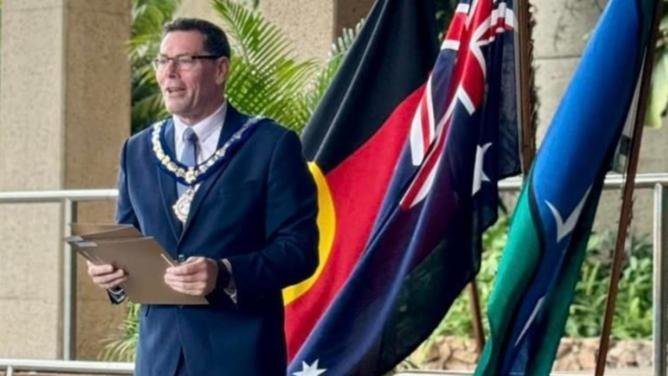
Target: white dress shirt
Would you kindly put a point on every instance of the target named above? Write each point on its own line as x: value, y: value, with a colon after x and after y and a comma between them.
x: 207, y: 131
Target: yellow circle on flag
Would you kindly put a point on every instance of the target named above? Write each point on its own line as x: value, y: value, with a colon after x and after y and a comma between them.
x: 326, y: 227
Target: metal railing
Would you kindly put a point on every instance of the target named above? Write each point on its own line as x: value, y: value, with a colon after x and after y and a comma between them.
x: 70, y: 198
x: 65, y: 366
x: 659, y: 183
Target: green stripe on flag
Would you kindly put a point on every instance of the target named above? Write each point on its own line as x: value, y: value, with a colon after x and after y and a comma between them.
x: 516, y: 268
x: 564, y: 292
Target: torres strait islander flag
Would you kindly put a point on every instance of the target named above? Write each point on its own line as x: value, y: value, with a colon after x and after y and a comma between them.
x: 547, y: 239
x: 401, y: 159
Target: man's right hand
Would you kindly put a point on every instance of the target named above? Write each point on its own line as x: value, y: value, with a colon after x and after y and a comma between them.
x: 106, y: 276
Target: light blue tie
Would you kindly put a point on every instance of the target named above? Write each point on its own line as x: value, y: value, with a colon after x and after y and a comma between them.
x: 188, y: 155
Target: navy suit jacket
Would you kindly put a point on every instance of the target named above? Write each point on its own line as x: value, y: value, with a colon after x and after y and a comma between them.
x: 258, y: 211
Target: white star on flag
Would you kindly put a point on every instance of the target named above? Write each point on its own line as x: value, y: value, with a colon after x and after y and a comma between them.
x: 534, y: 313
x: 566, y: 227
x: 310, y: 370
x: 478, y: 173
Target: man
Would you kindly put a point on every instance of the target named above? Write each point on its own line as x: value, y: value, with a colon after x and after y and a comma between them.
x: 242, y: 222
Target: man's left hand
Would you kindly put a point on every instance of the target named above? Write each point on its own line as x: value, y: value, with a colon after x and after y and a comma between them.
x: 196, y: 276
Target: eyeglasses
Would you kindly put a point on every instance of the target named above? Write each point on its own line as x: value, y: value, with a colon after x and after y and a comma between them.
x: 181, y: 62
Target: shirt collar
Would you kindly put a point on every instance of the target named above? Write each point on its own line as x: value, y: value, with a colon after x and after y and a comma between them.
x: 205, y: 127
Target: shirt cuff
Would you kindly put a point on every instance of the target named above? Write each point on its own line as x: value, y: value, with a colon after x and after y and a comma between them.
x: 230, y: 287
x: 116, y: 295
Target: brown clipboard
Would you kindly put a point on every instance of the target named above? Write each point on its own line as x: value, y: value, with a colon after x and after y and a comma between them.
x: 142, y: 258
x: 92, y: 231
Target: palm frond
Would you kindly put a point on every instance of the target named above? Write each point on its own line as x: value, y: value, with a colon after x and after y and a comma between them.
x: 265, y: 79
x: 338, y: 51
x: 123, y: 348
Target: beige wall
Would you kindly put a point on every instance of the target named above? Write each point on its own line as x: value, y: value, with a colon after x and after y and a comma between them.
x: 310, y: 25
x: 64, y: 100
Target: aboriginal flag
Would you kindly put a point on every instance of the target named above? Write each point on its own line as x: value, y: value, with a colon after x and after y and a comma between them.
x: 402, y: 159
x: 354, y: 140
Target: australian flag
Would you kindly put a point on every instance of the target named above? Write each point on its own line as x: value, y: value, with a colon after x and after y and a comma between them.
x: 423, y: 247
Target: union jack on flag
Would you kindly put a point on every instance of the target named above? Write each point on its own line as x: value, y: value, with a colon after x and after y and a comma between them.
x: 458, y: 137
x: 459, y: 78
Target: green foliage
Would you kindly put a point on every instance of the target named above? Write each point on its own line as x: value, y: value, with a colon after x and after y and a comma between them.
x: 123, y: 349
x: 659, y: 92
x: 633, y: 314
x: 266, y: 79
x: 148, y: 16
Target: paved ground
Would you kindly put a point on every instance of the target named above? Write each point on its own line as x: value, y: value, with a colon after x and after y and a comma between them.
x: 610, y: 372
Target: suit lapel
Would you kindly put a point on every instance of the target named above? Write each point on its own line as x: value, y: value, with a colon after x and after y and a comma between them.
x: 233, y: 122
x: 168, y: 185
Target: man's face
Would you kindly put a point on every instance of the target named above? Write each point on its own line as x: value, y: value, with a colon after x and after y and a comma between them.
x: 191, y: 92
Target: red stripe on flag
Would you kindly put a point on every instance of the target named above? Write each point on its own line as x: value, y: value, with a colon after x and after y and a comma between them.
x: 356, y: 206
x: 425, y: 170
x: 426, y: 126
x: 457, y: 26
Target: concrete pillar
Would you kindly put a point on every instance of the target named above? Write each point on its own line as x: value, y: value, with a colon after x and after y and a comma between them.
x: 64, y: 111
x: 560, y: 36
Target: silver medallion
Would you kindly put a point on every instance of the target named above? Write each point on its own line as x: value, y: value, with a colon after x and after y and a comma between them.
x: 181, y: 207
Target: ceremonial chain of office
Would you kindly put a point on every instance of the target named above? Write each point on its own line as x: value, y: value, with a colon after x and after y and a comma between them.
x: 191, y: 175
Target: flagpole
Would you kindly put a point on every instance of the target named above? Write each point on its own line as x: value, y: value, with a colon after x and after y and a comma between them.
x: 478, y: 332
x: 627, y: 201
x: 526, y: 85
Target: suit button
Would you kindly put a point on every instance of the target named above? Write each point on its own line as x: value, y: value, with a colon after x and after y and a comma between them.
x: 180, y: 257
